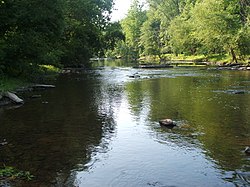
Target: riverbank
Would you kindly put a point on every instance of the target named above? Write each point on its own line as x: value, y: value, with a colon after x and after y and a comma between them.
x: 11, y: 98
x: 10, y: 87
x: 212, y: 60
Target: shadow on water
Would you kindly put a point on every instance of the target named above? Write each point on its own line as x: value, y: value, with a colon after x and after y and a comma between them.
x: 59, y: 132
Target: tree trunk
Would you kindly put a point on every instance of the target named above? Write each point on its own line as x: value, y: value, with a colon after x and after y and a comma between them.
x: 160, y: 57
x: 233, y: 55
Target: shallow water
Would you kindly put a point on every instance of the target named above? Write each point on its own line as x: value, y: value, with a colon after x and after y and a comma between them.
x: 100, y: 128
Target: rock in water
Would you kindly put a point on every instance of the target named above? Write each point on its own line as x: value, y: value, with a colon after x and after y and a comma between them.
x: 43, y: 86
x: 14, y: 98
x: 35, y: 96
x: 247, y: 150
x: 167, y: 123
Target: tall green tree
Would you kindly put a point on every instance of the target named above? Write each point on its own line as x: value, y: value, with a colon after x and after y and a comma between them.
x: 112, y: 35
x: 35, y: 32
x: 182, y: 32
x: 85, y: 21
x: 165, y: 11
x: 150, y: 35
x: 29, y: 34
x: 131, y: 26
x: 220, y: 23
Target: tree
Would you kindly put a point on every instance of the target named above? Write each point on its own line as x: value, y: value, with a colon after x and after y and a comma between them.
x: 85, y: 21
x: 29, y: 34
x: 182, y: 32
x: 165, y: 11
x: 131, y: 26
x: 150, y: 36
x: 36, y: 32
x: 112, y: 35
x: 219, y: 23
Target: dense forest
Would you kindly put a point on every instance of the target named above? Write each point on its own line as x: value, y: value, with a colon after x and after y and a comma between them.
x: 187, y: 27
x: 45, y: 32
x: 67, y: 33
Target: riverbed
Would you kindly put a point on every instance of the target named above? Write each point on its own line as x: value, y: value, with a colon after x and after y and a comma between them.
x: 100, y: 127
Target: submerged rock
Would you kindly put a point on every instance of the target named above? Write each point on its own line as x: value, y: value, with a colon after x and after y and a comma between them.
x: 167, y: 123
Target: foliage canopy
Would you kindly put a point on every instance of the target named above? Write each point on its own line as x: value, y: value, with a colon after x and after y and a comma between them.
x: 58, y: 32
x: 191, y: 27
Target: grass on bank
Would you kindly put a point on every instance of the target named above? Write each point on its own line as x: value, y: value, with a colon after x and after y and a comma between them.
x: 10, y: 84
x: 45, y: 73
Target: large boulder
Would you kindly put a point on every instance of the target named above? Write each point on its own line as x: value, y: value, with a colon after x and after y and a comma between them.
x: 167, y: 123
x: 13, y: 97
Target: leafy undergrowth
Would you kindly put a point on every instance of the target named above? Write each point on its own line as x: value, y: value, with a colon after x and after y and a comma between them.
x: 11, y: 173
x: 45, y: 73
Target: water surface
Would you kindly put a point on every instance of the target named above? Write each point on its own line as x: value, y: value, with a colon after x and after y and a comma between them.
x: 100, y: 128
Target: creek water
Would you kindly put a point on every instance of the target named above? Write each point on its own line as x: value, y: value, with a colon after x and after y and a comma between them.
x: 100, y: 128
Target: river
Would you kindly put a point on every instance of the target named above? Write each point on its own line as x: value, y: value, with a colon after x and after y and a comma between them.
x: 100, y: 128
